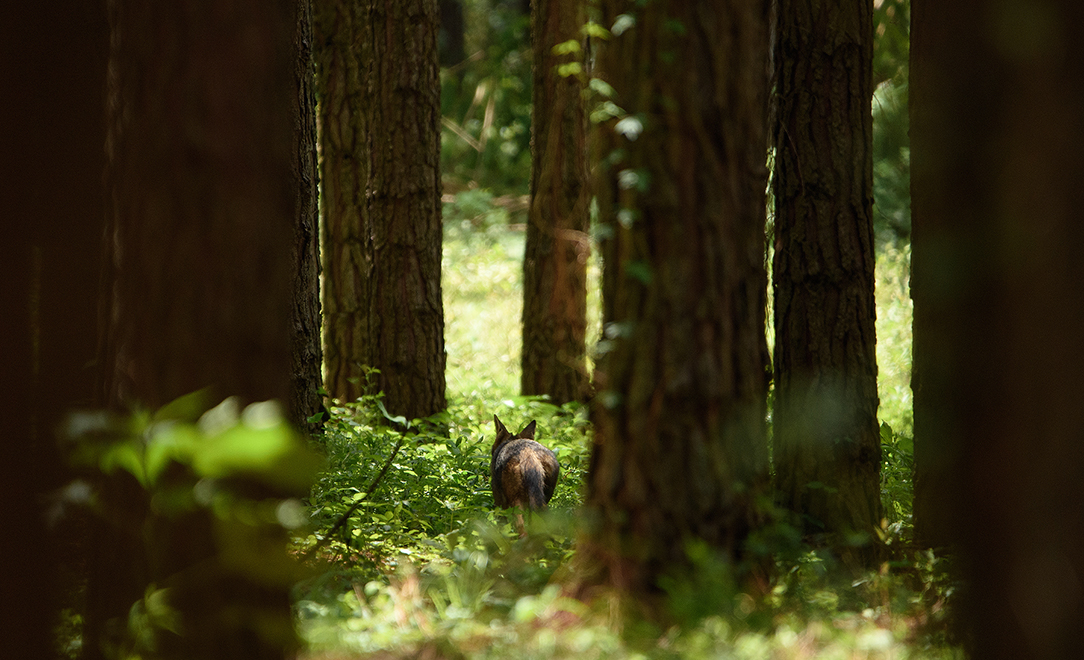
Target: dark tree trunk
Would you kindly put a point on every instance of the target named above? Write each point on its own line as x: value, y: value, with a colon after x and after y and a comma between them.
x: 998, y: 184
x: 934, y: 477
x: 305, y: 400
x: 555, y: 263
x: 452, y: 32
x: 344, y: 163
x: 998, y: 289
x: 680, y: 451
x: 205, y: 196
x: 827, y: 447
x: 402, y: 108
x: 388, y: 307
x: 51, y: 157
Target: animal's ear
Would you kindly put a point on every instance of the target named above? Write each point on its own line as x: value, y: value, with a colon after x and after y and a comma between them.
x: 528, y: 431
x: 502, y: 432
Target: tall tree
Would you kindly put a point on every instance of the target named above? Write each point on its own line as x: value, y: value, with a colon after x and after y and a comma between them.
x: 383, y: 216
x: 344, y: 165
x: 51, y: 157
x: 555, y: 262
x: 204, y: 199
x: 827, y: 447
x: 680, y: 451
x: 998, y: 286
x: 305, y: 400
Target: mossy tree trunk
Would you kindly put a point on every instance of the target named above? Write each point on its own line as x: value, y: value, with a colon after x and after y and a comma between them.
x: 680, y: 451
x: 827, y: 447
x: 555, y: 263
x: 381, y: 137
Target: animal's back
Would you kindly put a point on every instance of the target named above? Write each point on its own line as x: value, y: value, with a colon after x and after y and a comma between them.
x: 524, y: 474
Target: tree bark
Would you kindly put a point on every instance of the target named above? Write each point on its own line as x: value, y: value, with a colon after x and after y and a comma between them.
x: 827, y: 446
x: 998, y: 157
x: 202, y: 265
x: 51, y: 157
x: 305, y: 400
x: 680, y: 450
x: 389, y: 311
x: 347, y: 250
x: 555, y: 262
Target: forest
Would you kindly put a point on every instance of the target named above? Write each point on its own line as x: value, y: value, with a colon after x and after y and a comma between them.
x: 444, y: 329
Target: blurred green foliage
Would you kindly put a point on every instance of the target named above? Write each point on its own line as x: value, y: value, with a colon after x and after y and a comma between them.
x: 891, y: 145
x: 486, y: 101
x: 151, y: 477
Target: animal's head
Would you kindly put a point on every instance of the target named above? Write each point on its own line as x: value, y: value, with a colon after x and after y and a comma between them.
x: 504, y: 436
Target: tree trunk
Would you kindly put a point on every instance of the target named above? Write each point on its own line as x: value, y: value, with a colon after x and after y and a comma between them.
x: 52, y: 201
x: 205, y: 197
x: 402, y: 110
x: 305, y: 400
x: 680, y: 451
x: 452, y: 33
x: 388, y: 311
x: 827, y: 446
x: 934, y: 475
x: 998, y: 285
x: 344, y: 162
x: 555, y: 262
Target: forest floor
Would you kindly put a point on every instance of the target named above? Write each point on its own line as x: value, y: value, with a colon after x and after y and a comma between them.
x: 426, y: 568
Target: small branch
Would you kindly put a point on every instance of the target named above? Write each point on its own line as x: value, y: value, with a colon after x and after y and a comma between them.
x: 364, y: 498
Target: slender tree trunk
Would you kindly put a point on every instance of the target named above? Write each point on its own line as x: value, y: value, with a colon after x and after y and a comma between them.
x: 307, y: 378
x: 52, y: 159
x: 826, y: 439
x: 383, y: 261
x: 998, y: 184
x: 680, y: 451
x: 555, y: 262
x: 344, y: 162
x: 205, y: 197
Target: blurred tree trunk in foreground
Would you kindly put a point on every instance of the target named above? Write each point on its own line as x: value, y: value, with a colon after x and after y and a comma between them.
x: 379, y: 74
x: 205, y: 196
x: 50, y: 262
x: 555, y: 263
x: 998, y: 284
x: 827, y: 445
x: 680, y: 452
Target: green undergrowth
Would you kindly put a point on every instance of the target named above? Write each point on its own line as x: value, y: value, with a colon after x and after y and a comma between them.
x: 422, y: 565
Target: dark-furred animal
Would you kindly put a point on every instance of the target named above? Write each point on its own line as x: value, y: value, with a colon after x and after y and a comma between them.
x: 523, y: 473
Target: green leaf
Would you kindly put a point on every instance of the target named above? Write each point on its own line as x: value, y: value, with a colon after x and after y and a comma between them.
x: 593, y: 29
x: 621, y: 23
x: 567, y: 47
x: 601, y: 87
x: 570, y: 69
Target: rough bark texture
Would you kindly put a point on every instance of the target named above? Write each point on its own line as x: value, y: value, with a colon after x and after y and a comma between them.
x: 307, y: 378
x: 680, y: 450
x: 998, y: 285
x: 827, y: 446
x: 51, y: 157
x: 555, y: 261
x: 344, y: 163
x: 384, y: 239
x: 201, y: 271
